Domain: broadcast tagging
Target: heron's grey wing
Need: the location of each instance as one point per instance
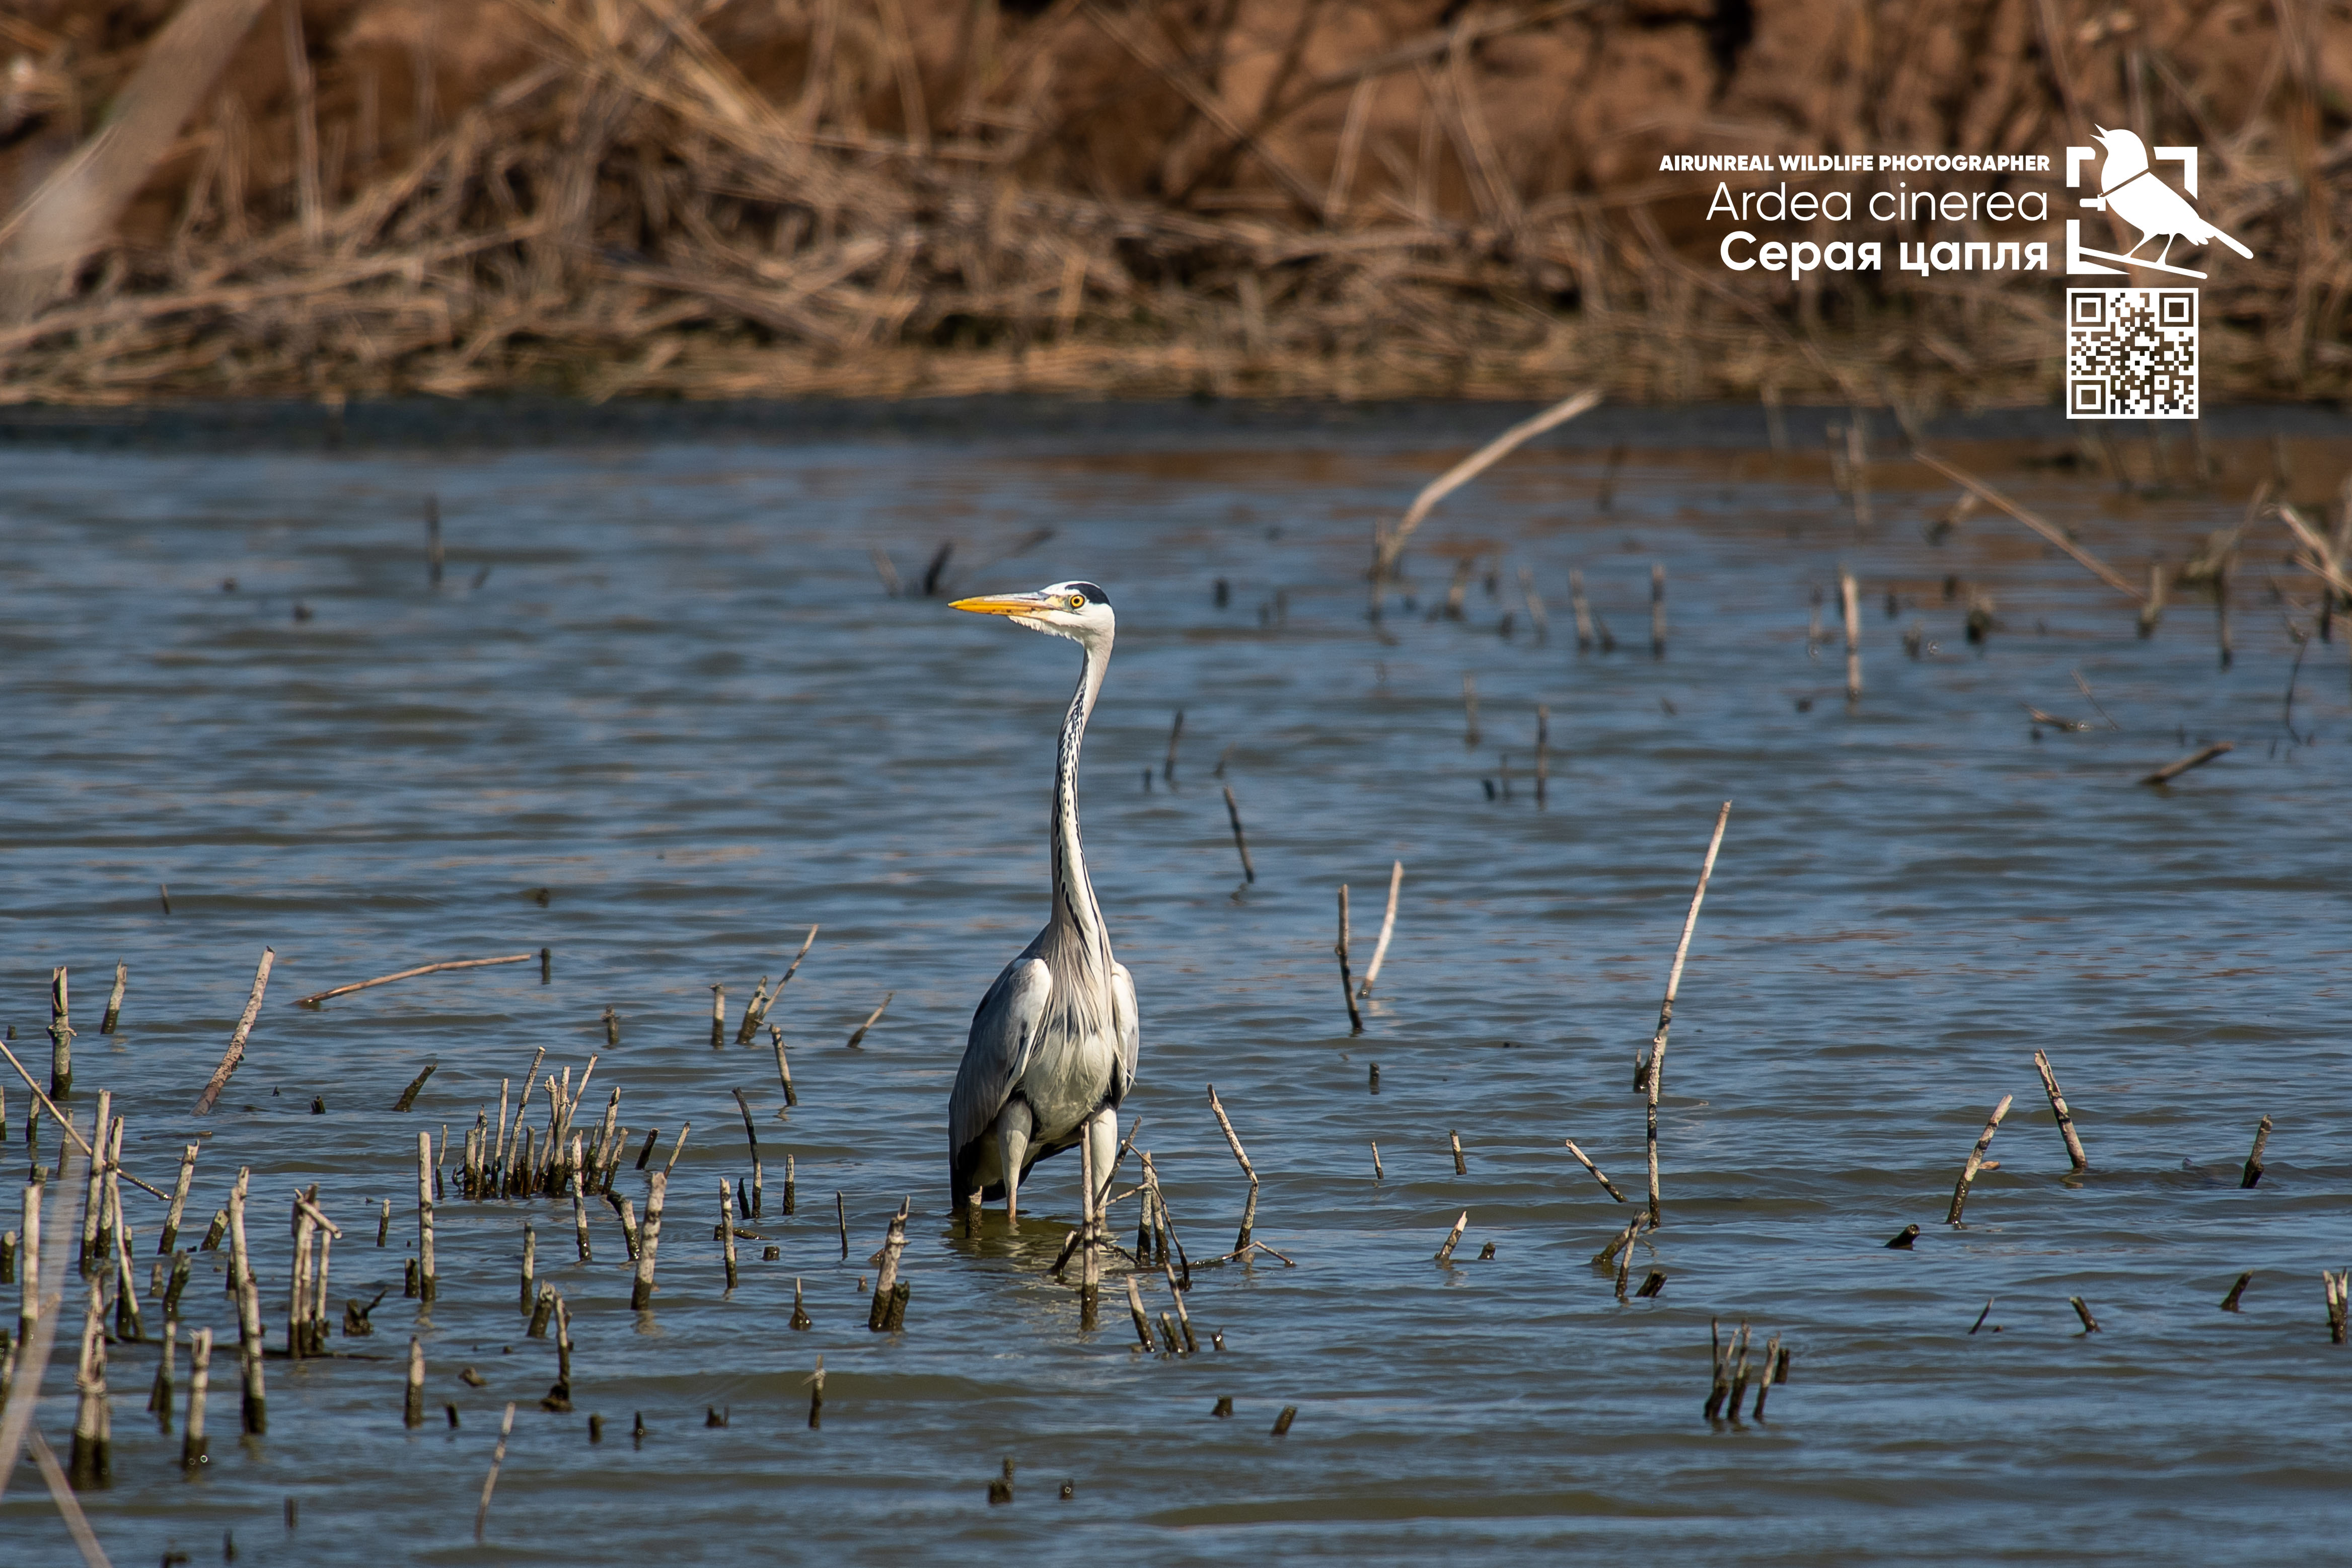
(997, 1052)
(1129, 1023)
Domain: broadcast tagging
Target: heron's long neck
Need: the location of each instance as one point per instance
(1074, 892)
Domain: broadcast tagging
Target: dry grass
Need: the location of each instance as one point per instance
(1286, 198)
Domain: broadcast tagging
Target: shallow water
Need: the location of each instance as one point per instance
(659, 681)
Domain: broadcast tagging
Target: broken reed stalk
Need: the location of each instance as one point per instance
(66, 1122)
(1389, 543)
(114, 999)
(2171, 770)
(1175, 734)
(92, 1461)
(426, 1277)
(2254, 1171)
(1992, 497)
(235, 1052)
(1657, 610)
(60, 1034)
(783, 1071)
(2090, 1323)
(1135, 1310)
(1976, 1160)
(751, 1137)
(1582, 608)
(159, 1396)
(1469, 707)
(195, 1448)
(559, 1397)
(751, 1012)
(1585, 1160)
(2338, 1289)
(1454, 1238)
(1183, 1317)
(315, 997)
(1089, 1240)
(1768, 1375)
(755, 1013)
(1347, 982)
(881, 1307)
(1249, 1213)
(1651, 1072)
(1849, 600)
(1719, 1384)
(1388, 929)
(871, 1019)
(255, 1406)
(1234, 815)
(580, 1205)
(641, 1293)
(490, 1481)
(407, 1101)
(36, 1319)
(94, 1216)
(727, 1227)
(297, 1303)
(717, 1017)
(2058, 1109)
(1739, 1374)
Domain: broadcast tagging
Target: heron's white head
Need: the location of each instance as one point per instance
(1078, 610)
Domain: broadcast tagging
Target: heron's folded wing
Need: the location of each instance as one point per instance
(995, 1055)
(1129, 1022)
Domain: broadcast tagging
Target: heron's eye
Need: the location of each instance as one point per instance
(1077, 601)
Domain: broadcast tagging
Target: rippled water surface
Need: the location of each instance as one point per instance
(660, 682)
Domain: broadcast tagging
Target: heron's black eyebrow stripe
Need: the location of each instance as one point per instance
(1091, 591)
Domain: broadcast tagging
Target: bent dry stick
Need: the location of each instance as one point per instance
(2171, 770)
(1388, 929)
(1585, 1160)
(1976, 1160)
(1389, 543)
(2058, 1109)
(1234, 815)
(235, 1052)
(315, 997)
(871, 1019)
(61, 1034)
(1347, 984)
(73, 1134)
(1651, 1072)
(1992, 497)
(1249, 1213)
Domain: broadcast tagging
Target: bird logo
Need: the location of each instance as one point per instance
(2131, 190)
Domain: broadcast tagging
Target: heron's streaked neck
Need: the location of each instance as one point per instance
(1074, 892)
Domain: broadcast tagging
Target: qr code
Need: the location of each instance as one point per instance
(2131, 353)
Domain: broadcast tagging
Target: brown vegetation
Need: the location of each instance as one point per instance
(1351, 198)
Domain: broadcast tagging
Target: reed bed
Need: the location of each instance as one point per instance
(1283, 198)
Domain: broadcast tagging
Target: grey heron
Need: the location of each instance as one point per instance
(1051, 1050)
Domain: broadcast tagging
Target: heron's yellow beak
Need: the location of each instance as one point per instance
(998, 604)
